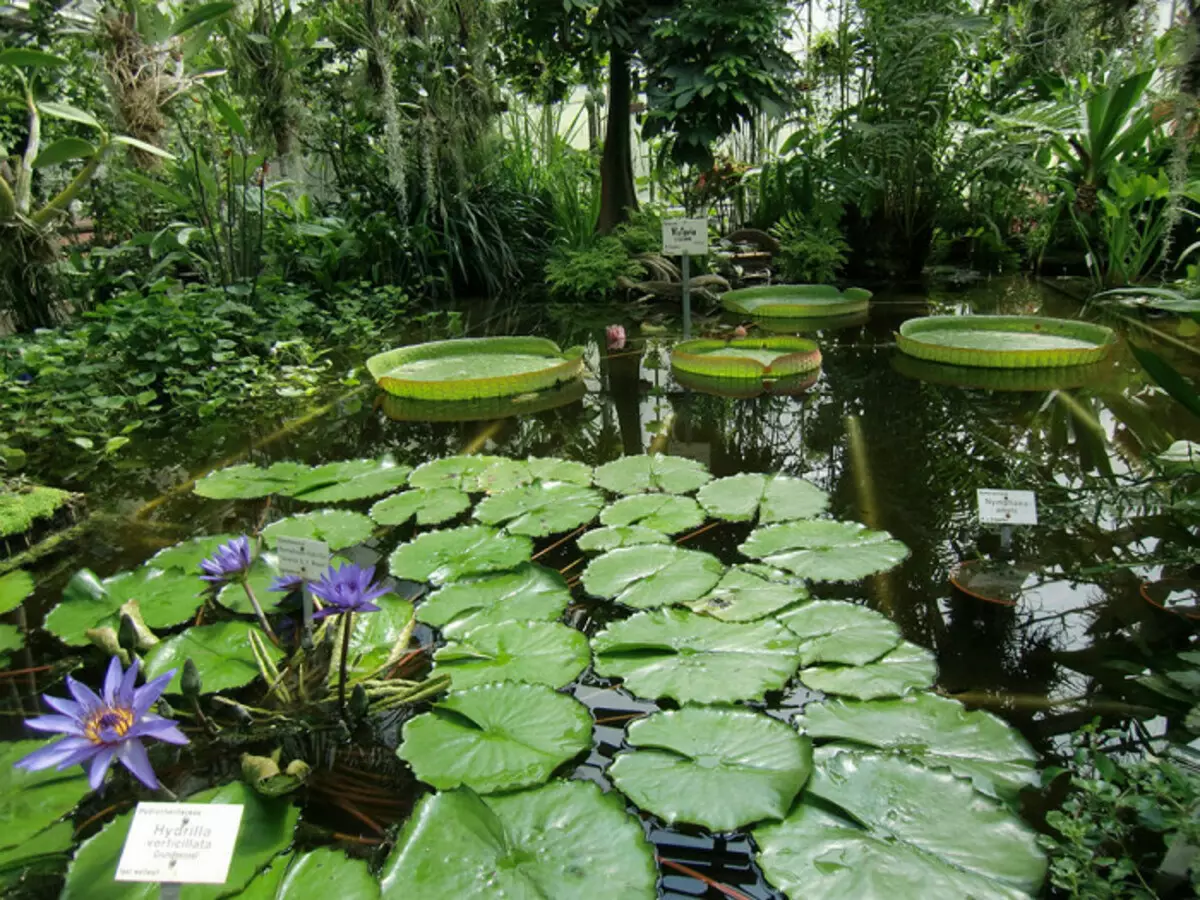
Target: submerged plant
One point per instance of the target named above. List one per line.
(102, 728)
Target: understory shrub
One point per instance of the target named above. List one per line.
(591, 272)
(810, 251)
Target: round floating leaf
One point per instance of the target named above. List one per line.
(85, 605)
(263, 572)
(831, 631)
(248, 482)
(567, 840)
(221, 652)
(459, 472)
(431, 506)
(772, 498)
(528, 593)
(11, 638)
(187, 555)
(695, 659)
(932, 811)
(354, 479)
(509, 474)
(750, 592)
(938, 732)
(652, 575)
(532, 652)
(375, 635)
(662, 512)
(541, 509)
(496, 737)
(454, 553)
(323, 872)
(338, 528)
(639, 474)
(900, 671)
(165, 598)
(14, 588)
(31, 801)
(720, 768)
(617, 536)
(824, 550)
(265, 832)
(813, 853)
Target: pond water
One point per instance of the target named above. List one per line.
(897, 452)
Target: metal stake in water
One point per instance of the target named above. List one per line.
(306, 601)
(169, 890)
(1006, 538)
(687, 297)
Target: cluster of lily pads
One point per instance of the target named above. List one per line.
(878, 786)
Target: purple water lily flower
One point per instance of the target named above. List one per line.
(228, 563)
(347, 590)
(285, 584)
(102, 728)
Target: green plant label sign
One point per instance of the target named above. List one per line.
(1007, 507)
(180, 843)
(685, 237)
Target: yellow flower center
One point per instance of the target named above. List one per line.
(106, 723)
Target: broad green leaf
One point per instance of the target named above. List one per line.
(63, 150)
(932, 811)
(32, 801)
(355, 479)
(265, 832)
(823, 550)
(40, 850)
(15, 587)
(770, 498)
(831, 631)
(695, 659)
(652, 575)
(230, 115)
(249, 482)
(566, 840)
(199, 15)
(639, 474)
(667, 513)
(221, 652)
(263, 572)
(338, 528)
(814, 853)
(85, 605)
(508, 474)
(431, 506)
(27, 58)
(533, 652)
(936, 731)
(165, 598)
(187, 555)
(324, 872)
(11, 638)
(69, 113)
(144, 146)
(375, 634)
(441, 556)
(748, 592)
(538, 510)
(528, 593)
(459, 472)
(614, 537)
(720, 768)
(900, 671)
(496, 737)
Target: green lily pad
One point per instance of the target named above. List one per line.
(374, 636)
(459, 472)
(11, 638)
(538, 510)
(720, 768)
(324, 872)
(355, 479)
(166, 598)
(15, 587)
(431, 506)
(221, 653)
(265, 832)
(263, 572)
(695, 659)
(249, 482)
(770, 498)
(186, 556)
(512, 473)
(750, 592)
(824, 550)
(44, 850)
(652, 575)
(667, 513)
(338, 528)
(831, 631)
(936, 731)
(640, 474)
(531, 652)
(567, 840)
(614, 537)
(528, 593)
(902, 670)
(85, 605)
(496, 737)
(32, 801)
(451, 554)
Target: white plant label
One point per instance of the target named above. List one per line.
(998, 507)
(180, 843)
(301, 556)
(685, 237)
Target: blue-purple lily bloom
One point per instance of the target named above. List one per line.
(230, 562)
(285, 584)
(102, 728)
(347, 590)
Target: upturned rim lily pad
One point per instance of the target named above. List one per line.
(1005, 342)
(796, 301)
(753, 359)
(484, 409)
(745, 389)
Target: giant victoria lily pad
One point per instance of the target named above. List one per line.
(720, 768)
(496, 737)
(528, 593)
(770, 498)
(823, 550)
(665, 513)
(651, 575)
(533, 652)
(695, 659)
(642, 474)
(753, 359)
(537, 510)
(567, 840)
(1005, 342)
(441, 556)
(796, 301)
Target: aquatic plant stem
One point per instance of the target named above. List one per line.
(258, 611)
(347, 624)
(701, 877)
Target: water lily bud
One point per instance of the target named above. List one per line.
(258, 768)
(298, 769)
(106, 639)
(190, 680)
(145, 637)
(358, 702)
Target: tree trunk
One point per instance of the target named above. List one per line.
(618, 196)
